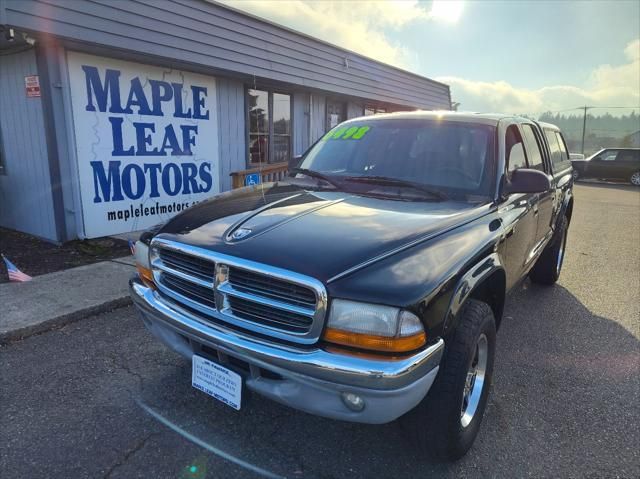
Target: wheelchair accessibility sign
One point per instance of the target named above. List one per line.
(252, 179)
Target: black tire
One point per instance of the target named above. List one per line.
(549, 265)
(634, 179)
(435, 426)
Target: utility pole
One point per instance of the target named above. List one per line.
(584, 126)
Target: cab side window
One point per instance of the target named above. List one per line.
(514, 146)
(533, 148)
(554, 147)
(563, 157)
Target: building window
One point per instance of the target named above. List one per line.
(281, 127)
(336, 113)
(269, 126)
(373, 110)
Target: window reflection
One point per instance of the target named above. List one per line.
(281, 127)
(269, 126)
(258, 126)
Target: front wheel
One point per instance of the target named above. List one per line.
(445, 424)
(635, 179)
(576, 175)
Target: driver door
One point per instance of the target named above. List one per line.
(518, 212)
(603, 166)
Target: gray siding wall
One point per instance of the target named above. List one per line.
(208, 35)
(300, 122)
(231, 129)
(354, 110)
(318, 117)
(307, 126)
(25, 188)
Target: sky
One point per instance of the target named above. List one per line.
(518, 56)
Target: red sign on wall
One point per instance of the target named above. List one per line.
(32, 85)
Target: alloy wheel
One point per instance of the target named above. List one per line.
(474, 382)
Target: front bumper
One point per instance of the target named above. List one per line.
(312, 380)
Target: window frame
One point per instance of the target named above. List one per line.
(270, 134)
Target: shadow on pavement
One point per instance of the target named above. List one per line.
(608, 185)
(564, 402)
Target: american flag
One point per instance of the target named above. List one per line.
(132, 247)
(14, 273)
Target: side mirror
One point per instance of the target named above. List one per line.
(525, 180)
(294, 162)
(597, 158)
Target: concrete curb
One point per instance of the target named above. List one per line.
(54, 300)
(62, 320)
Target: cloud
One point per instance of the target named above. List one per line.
(368, 27)
(359, 26)
(607, 85)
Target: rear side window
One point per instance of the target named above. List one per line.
(628, 155)
(533, 148)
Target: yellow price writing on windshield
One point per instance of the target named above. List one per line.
(347, 133)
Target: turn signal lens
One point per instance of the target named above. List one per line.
(374, 327)
(145, 275)
(377, 343)
(141, 257)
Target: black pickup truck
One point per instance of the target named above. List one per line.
(370, 285)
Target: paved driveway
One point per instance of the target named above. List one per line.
(565, 401)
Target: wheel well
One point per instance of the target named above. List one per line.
(492, 291)
(569, 211)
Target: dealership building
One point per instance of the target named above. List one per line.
(116, 115)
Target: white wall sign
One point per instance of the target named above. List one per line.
(146, 142)
(32, 86)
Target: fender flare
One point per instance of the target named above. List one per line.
(467, 284)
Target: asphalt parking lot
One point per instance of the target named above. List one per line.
(565, 398)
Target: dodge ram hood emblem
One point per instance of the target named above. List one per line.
(240, 233)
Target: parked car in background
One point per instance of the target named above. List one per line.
(576, 156)
(610, 164)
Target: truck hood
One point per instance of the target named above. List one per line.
(319, 233)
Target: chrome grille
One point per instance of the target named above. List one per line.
(187, 264)
(256, 283)
(256, 297)
(194, 292)
(285, 320)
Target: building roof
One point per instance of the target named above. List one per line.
(214, 39)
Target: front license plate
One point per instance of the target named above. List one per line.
(217, 381)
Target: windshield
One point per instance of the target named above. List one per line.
(452, 157)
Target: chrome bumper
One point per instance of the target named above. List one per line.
(313, 380)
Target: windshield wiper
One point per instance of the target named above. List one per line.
(385, 180)
(316, 174)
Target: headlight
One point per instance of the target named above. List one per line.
(141, 257)
(372, 326)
